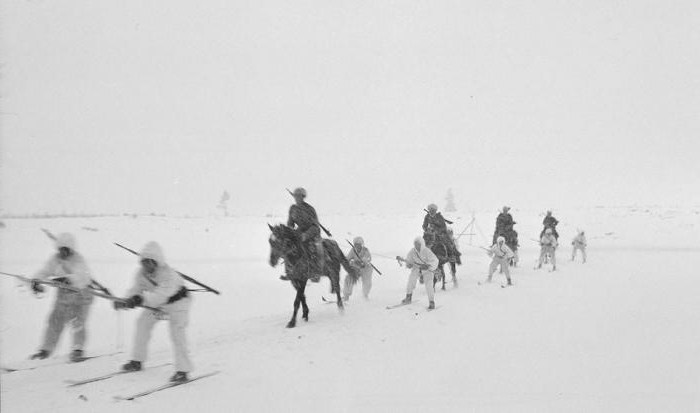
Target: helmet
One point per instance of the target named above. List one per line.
(299, 192)
(358, 240)
(432, 208)
(506, 208)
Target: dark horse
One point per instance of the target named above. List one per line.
(285, 243)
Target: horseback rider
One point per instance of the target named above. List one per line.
(550, 222)
(504, 224)
(303, 219)
(434, 222)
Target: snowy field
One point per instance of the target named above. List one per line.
(619, 333)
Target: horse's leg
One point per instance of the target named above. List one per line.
(336, 282)
(293, 322)
(304, 307)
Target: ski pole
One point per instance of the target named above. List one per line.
(57, 284)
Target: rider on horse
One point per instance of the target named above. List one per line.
(551, 223)
(303, 219)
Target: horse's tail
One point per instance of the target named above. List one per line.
(337, 259)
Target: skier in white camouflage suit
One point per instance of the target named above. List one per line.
(501, 254)
(67, 266)
(157, 285)
(422, 263)
(362, 270)
(548, 245)
(579, 243)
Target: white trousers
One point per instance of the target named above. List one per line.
(365, 278)
(178, 317)
(74, 311)
(428, 277)
(503, 262)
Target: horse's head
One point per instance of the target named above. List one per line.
(283, 243)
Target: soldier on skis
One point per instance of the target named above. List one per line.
(69, 267)
(422, 263)
(157, 285)
(579, 243)
(359, 258)
(501, 254)
(548, 244)
(303, 218)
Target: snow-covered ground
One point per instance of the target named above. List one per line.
(616, 334)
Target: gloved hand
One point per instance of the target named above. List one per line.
(128, 303)
(62, 280)
(423, 266)
(36, 287)
(134, 301)
(304, 237)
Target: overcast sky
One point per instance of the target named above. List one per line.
(371, 105)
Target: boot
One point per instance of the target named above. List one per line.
(179, 377)
(407, 300)
(39, 355)
(431, 306)
(76, 356)
(509, 282)
(454, 281)
(133, 365)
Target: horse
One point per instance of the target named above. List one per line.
(286, 243)
(441, 251)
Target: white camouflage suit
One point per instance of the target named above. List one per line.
(415, 258)
(579, 243)
(549, 246)
(69, 306)
(156, 289)
(501, 254)
(362, 267)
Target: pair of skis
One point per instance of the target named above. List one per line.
(75, 383)
(57, 363)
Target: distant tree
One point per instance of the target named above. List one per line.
(223, 202)
(450, 198)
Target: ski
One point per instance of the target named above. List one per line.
(391, 307)
(165, 386)
(74, 383)
(58, 363)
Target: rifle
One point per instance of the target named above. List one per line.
(96, 285)
(190, 279)
(358, 256)
(57, 284)
(316, 222)
(446, 220)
